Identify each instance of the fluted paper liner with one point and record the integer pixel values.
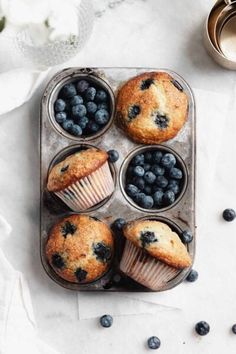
(89, 190)
(144, 268)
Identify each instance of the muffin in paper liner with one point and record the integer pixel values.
(145, 269)
(89, 190)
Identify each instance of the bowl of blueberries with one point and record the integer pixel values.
(82, 107)
(153, 178)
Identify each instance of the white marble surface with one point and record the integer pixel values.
(132, 33)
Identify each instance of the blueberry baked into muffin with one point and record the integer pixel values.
(82, 179)
(80, 248)
(153, 253)
(152, 107)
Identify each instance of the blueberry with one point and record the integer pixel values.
(130, 171)
(82, 122)
(106, 321)
(168, 197)
(119, 224)
(157, 170)
(146, 167)
(202, 328)
(154, 342)
(91, 107)
(90, 94)
(113, 155)
(168, 161)
(176, 173)
(146, 84)
(74, 101)
(157, 197)
(138, 171)
(82, 85)
(101, 96)
(192, 276)
(187, 236)
(79, 111)
(139, 182)
(234, 328)
(101, 117)
(147, 190)
(156, 188)
(139, 197)
(131, 190)
(76, 130)
(138, 160)
(147, 237)
(229, 214)
(57, 261)
(147, 202)
(148, 156)
(80, 274)
(173, 185)
(133, 112)
(60, 117)
(103, 105)
(157, 156)
(161, 120)
(92, 127)
(59, 105)
(149, 177)
(102, 252)
(67, 125)
(68, 91)
(161, 181)
(68, 228)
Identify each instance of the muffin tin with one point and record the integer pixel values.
(56, 144)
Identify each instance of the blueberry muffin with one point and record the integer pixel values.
(82, 179)
(80, 248)
(153, 253)
(151, 107)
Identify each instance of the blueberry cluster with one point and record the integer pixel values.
(82, 109)
(153, 179)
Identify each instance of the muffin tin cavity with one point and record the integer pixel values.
(153, 178)
(81, 107)
(175, 176)
(66, 198)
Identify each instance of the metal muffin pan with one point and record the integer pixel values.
(55, 144)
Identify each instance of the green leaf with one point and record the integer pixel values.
(2, 23)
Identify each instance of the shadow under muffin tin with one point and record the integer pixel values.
(56, 144)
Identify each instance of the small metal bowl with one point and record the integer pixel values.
(143, 149)
(69, 150)
(69, 77)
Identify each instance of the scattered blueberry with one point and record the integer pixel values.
(148, 156)
(173, 185)
(138, 171)
(149, 177)
(67, 125)
(176, 173)
(68, 90)
(119, 224)
(82, 122)
(106, 321)
(168, 161)
(60, 117)
(91, 107)
(59, 105)
(113, 155)
(154, 342)
(139, 182)
(157, 156)
(90, 94)
(76, 130)
(234, 328)
(146, 167)
(157, 197)
(157, 170)
(138, 198)
(161, 181)
(79, 111)
(187, 236)
(103, 105)
(192, 276)
(147, 190)
(138, 160)
(82, 86)
(168, 197)
(101, 117)
(92, 127)
(146, 202)
(229, 214)
(101, 96)
(74, 101)
(131, 190)
(156, 188)
(202, 328)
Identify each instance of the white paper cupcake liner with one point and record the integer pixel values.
(145, 269)
(89, 190)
